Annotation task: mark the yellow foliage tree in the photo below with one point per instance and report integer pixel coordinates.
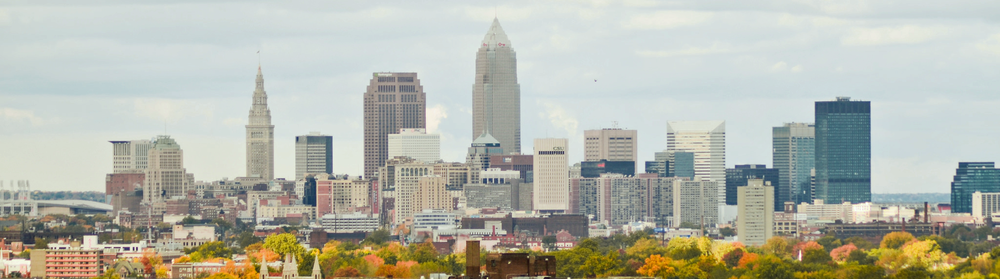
(657, 266)
(895, 240)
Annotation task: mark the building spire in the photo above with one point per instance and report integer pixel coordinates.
(317, 273)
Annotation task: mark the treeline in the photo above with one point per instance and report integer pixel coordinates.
(68, 195)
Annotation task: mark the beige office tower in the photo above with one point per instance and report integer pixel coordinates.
(131, 156)
(695, 202)
(496, 95)
(431, 194)
(707, 140)
(612, 144)
(393, 101)
(166, 176)
(756, 212)
(260, 135)
(551, 171)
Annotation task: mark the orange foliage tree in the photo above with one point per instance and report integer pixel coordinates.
(840, 253)
(657, 266)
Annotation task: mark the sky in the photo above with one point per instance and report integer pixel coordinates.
(74, 76)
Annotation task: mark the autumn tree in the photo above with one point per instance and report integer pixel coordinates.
(347, 271)
(732, 259)
(895, 240)
(777, 246)
(840, 253)
(657, 266)
(284, 243)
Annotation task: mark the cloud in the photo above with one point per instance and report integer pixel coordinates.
(666, 20)
(11, 115)
(782, 66)
(691, 51)
(560, 118)
(907, 34)
(170, 111)
(434, 116)
(991, 44)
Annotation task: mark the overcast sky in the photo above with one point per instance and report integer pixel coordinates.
(74, 76)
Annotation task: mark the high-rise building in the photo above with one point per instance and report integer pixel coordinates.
(984, 205)
(612, 144)
(738, 176)
(260, 135)
(431, 194)
(969, 178)
(313, 155)
(620, 199)
(482, 148)
(755, 224)
(393, 101)
(707, 141)
(596, 168)
(521, 163)
(415, 143)
(551, 171)
(843, 151)
(794, 155)
(341, 194)
(695, 202)
(130, 156)
(496, 95)
(166, 176)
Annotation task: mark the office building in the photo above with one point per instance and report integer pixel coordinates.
(682, 165)
(706, 140)
(340, 194)
(592, 169)
(415, 143)
(349, 222)
(969, 178)
(611, 144)
(130, 156)
(794, 155)
(755, 224)
(393, 101)
(484, 147)
(495, 189)
(166, 176)
(431, 194)
(260, 135)
(843, 151)
(739, 175)
(400, 177)
(551, 174)
(496, 95)
(313, 154)
(985, 205)
(524, 164)
(695, 202)
(619, 199)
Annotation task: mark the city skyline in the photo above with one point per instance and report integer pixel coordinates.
(201, 102)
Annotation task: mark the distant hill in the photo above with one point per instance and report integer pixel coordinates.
(912, 197)
(68, 195)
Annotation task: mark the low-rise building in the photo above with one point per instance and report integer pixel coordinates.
(351, 222)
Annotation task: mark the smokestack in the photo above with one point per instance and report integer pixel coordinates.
(472, 259)
(927, 211)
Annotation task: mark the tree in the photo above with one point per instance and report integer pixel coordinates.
(895, 240)
(727, 232)
(643, 248)
(189, 220)
(859, 242)
(284, 243)
(657, 266)
(774, 268)
(829, 242)
(689, 225)
(732, 259)
(41, 243)
(549, 242)
(816, 256)
(347, 271)
(841, 253)
(377, 237)
(603, 266)
(777, 246)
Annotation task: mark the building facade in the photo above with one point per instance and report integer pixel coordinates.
(130, 156)
(596, 168)
(551, 174)
(393, 101)
(166, 176)
(612, 144)
(341, 194)
(620, 199)
(260, 135)
(484, 147)
(696, 202)
(415, 143)
(794, 155)
(969, 178)
(496, 95)
(706, 140)
(739, 175)
(524, 164)
(313, 154)
(755, 224)
(984, 205)
(843, 151)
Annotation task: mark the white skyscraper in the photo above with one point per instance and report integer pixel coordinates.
(551, 171)
(756, 212)
(496, 95)
(707, 141)
(415, 143)
(131, 156)
(260, 135)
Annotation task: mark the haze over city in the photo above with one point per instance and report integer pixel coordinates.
(75, 76)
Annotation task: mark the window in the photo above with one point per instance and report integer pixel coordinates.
(405, 79)
(407, 88)
(387, 79)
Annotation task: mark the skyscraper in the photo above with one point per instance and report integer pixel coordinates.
(612, 144)
(481, 150)
(969, 178)
(313, 154)
(843, 151)
(707, 141)
(794, 155)
(756, 223)
(393, 101)
(551, 170)
(496, 95)
(166, 176)
(130, 156)
(260, 135)
(415, 143)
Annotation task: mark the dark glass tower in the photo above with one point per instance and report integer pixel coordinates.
(843, 151)
(683, 164)
(738, 176)
(969, 178)
(794, 155)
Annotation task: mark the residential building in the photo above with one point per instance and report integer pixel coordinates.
(592, 169)
(496, 95)
(821, 211)
(551, 174)
(70, 263)
(284, 211)
(415, 143)
(695, 202)
(619, 199)
(755, 224)
(130, 156)
(341, 194)
(524, 164)
(313, 155)
(349, 222)
(166, 176)
(706, 140)
(611, 144)
(484, 147)
(843, 151)
(392, 101)
(431, 193)
(794, 155)
(260, 135)
(969, 178)
(739, 175)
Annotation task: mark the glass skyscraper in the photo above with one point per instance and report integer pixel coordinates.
(969, 178)
(843, 151)
(794, 155)
(740, 175)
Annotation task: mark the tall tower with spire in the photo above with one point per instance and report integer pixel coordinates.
(260, 135)
(496, 95)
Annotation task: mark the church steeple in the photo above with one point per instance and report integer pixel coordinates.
(317, 273)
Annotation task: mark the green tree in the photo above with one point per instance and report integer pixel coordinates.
(549, 242)
(774, 268)
(829, 243)
(377, 237)
(727, 232)
(189, 220)
(817, 256)
(41, 243)
(284, 243)
(895, 240)
(602, 266)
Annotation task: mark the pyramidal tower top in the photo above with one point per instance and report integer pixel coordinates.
(495, 37)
